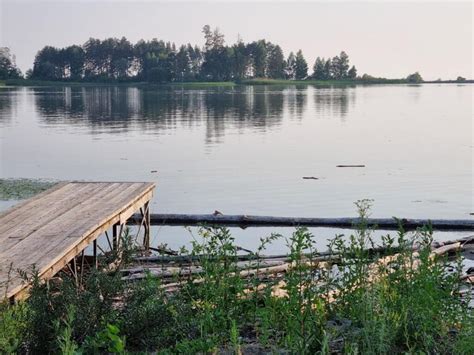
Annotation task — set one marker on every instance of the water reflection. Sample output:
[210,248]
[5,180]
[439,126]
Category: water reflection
[334,101]
[8,105]
[116,109]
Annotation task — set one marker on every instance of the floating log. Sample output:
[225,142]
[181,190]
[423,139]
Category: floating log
[183,259]
[246,270]
[270,221]
[351,166]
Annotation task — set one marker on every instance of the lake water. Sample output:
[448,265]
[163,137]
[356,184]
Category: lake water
[245,150]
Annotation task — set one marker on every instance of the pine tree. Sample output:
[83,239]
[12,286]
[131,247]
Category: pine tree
[276,63]
[328,70]
[352,74]
[301,67]
[318,69]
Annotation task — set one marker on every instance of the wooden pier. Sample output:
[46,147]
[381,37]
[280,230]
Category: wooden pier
[49,230]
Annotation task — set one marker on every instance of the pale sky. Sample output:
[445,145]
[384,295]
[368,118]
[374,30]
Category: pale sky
[391,39]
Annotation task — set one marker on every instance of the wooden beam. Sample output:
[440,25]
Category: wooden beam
[270,221]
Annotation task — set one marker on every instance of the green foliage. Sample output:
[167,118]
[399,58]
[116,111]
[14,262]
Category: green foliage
[340,66]
[13,323]
[414,78]
[18,189]
[352,73]
[405,302]
[93,304]
[301,67]
[156,61]
[370,300]
[276,62]
[107,340]
[8,68]
[66,344]
[319,72]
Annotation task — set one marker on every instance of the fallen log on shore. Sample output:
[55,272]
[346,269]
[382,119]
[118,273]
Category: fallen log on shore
[244,221]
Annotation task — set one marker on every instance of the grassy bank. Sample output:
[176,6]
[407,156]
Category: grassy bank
[402,299]
[322,82]
[203,84]
[195,84]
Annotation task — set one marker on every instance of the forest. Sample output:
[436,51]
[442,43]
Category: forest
[157,61]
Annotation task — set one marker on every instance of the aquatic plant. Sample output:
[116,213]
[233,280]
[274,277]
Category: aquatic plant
[18,189]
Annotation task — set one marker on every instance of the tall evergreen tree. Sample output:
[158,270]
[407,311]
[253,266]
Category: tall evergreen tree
[276,63]
[352,73]
[301,67]
[318,69]
[328,69]
[340,66]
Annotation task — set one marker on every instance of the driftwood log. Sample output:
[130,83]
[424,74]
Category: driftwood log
[270,221]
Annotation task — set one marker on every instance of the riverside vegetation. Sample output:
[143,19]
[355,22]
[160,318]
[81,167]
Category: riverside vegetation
[114,60]
[354,299]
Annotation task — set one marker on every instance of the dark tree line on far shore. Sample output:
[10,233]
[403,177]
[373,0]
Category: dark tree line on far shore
[157,61]
[8,68]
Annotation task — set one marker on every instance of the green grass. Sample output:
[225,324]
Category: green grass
[202,84]
[321,82]
[353,305]
[194,84]
[198,84]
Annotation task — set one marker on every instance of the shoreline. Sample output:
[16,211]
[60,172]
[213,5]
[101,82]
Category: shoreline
[249,82]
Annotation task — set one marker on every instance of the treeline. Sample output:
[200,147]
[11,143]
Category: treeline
[157,61]
[8,68]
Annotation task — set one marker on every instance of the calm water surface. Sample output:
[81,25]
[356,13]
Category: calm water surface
[245,150]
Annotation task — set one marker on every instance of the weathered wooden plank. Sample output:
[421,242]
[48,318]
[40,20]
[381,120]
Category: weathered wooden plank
[42,217]
[344,222]
[72,223]
[24,204]
[9,218]
[54,227]
[56,266]
[66,220]
[57,239]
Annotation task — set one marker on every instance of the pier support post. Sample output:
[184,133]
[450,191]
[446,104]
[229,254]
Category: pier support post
[115,239]
[146,217]
[94,247]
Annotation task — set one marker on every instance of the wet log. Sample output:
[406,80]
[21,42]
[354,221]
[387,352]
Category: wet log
[244,221]
[183,259]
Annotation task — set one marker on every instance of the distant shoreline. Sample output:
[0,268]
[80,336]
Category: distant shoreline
[249,82]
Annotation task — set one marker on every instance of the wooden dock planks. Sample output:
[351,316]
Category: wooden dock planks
[50,229]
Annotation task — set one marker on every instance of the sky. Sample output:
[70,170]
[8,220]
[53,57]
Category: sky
[389,39]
